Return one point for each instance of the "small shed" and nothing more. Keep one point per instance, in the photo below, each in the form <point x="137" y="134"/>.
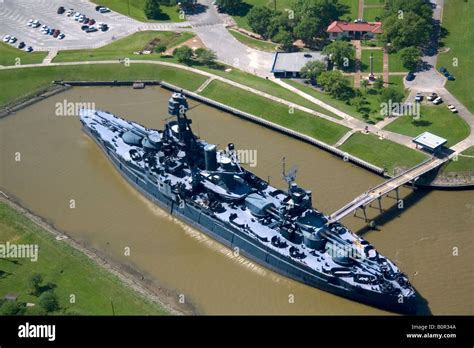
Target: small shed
<point x="289" y="64"/>
<point x="429" y="141"/>
<point x="11" y="297"/>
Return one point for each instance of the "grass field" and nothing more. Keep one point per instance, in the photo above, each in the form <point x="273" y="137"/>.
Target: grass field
<point x="462" y="163"/>
<point x="374" y="2"/>
<point x="371" y="13"/>
<point x="435" y="119"/>
<point x="299" y="121"/>
<point x="125" y="47"/>
<point x="396" y="82"/>
<point x="70" y="270"/>
<point x="383" y="153"/>
<point x="378" y="60"/>
<point x="458" y="18"/>
<point x="23" y="82"/>
<point x="9" y="55"/>
<point x="135" y="9"/>
<point x="395" y="63"/>
<point x="254" y="43"/>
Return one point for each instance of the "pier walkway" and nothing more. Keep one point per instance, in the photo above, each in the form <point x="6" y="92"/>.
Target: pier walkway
<point x="411" y="175"/>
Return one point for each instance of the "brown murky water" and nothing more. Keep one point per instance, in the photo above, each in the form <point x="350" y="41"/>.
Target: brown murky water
<point x="59" y="163"/>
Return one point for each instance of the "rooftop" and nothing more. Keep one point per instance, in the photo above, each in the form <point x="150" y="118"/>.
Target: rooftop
<point x="429" y="140"/>
<point x="294" y="61"/>
<point x="342" y="26"/>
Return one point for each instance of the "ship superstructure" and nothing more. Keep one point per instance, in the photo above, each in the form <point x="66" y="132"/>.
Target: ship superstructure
<point x="280" y="229"/>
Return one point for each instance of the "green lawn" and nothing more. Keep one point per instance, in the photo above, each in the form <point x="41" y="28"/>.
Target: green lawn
<point x="374" y="2"/>
<point x="395" y="63"/>
<point x="396" y="82"/>
<point x="353" y="8"/>
<point x="378" y="60"/>
<point x="383" y="153"/>
<point x="9" y="55"/>
<point x="254" y="43"/>
<point x="23" y="82"/>
<point x="458" y="19"/>
<point x="125" y="47"/>
<point x="135" y="9"/>
<point x="435" y="119"/>
<point x="370" y="13"/>
<point x="370" y="96"/>
<point x="302" y="122"/>
<point x="462" y="163"/>
<point x="70" y="270"/>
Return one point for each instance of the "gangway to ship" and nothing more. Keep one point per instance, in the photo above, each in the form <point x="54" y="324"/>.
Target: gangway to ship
<point x="376" y="193"/>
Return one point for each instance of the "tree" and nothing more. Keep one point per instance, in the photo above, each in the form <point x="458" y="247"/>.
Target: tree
<point x="312" y="70"/>
<point x="342" y="53"/>
<point x="285" y="40"/>
<point x="411" y="57"/>
<point x="390" y="95"/>
<point x="152" y="9"/>
<point x="364" y="83"/>
<point x="229" y="6"/>
<point x="335" y="84"/>
<point x="259" y="20"/>
<point x="183" y="54"/>
<point x="307" y="29"/>
<point x="49" y="301"/>
<point x="378" y="83"/>
<point x="205" y="56"/>
<point x="12" y="308"/>
<point x="35" y="281"/>
<point x="420" y="7"/>
<point x="160" y="48"/>
<point x="410" y="30"/>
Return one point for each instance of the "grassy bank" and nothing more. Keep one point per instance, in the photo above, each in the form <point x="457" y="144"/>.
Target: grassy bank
<point x="254" y="43"/>
<point x="435" y="119"/>
<point x="464" y="162"/>
<point x="69" y="270"/>
<point x="9" y="55"/>
<point x="135" y="9"/>
<point x="302" y="122"/>
<point x="125" y="47"/>
<point x="458" y="17"/>
<point x="383" y="153"/>
<point x="23" y="82"/>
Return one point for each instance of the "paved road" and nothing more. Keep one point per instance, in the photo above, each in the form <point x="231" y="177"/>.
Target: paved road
<point x="211" y="28"/>
<point x="14" y="15"/>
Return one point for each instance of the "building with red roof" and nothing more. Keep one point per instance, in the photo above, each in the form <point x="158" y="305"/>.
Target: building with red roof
<point x="356" y="30"/>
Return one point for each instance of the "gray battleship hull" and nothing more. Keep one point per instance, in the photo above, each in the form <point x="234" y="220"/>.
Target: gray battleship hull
<point x="248" y="247"/>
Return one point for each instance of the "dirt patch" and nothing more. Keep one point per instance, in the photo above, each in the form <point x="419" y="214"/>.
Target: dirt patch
<point x="194" y="43"/>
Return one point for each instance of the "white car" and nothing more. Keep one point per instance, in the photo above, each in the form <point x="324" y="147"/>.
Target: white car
<point x="30" y="23"/>
<point x="36" y="23"/>
<point x="61" y="36"/>
<point x="437" y="101"/>
<point x="104" y="10"/>
<point x="12" y="40"/>
<point x="452" y="108"/>
<point x="6" y="38"/>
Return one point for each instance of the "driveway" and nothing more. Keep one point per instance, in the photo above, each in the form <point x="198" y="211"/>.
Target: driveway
<point x="211" y="28"/>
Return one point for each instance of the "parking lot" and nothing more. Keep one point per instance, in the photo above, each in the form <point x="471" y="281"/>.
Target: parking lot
<point x="15" y="14"/>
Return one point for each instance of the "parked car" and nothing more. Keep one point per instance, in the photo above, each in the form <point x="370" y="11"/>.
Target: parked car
<point x="104" y="10"/>
<point x="6" y="38"/>
<point x="36" y="23"/>
<point x="452" y="108"/>
<point x="432" y="97"/>
<point x="451" y="78"/>
<point x="97" y="8"/>
<point x="84" y="27"/>
<point x="61" y="10"/>
<point x="86" y="20"/>
<point x="410" y="76"/>
<point x="56" y="33"/>
<point x="104" y="27"/>
<point x="442" y="70"/>
<point x="29" y="49"/>
<point x="30" y="23"/>
<point x="437" y="101"/>
<point x="91" y="21"/>
<point x="70" y="12"/>
<point x="61" y="36"/>
<point x="419" y="97"/>
<point x="12" y="40"/>
<point x="91" y="29"/>
<point x="51" y="31"/>
<point x="21" y="45"/>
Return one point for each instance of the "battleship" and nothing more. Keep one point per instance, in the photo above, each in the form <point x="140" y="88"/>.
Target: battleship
<point x="279" y="229"/>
